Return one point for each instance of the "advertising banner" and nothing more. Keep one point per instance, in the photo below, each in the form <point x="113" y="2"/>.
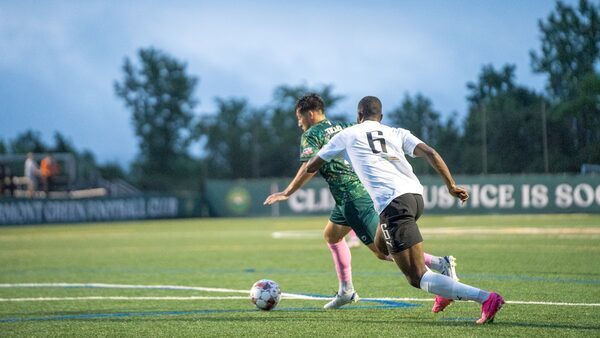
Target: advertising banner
<point x="34" y="211"/>
<point x="510" y="194"/>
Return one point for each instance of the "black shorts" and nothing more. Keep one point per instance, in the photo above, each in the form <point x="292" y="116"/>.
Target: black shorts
<point x="399" y="222"/>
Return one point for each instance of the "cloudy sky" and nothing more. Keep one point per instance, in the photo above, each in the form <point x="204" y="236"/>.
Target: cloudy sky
<point x="59" y="59"/>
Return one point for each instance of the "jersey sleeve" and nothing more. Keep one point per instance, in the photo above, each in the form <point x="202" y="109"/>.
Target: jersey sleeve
<point x="409" y="141"/>
<point x="309" y="145"/>
<point x="333" y="148"/>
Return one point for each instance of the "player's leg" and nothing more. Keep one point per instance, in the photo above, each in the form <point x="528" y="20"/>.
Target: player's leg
<point x="445" y="265"/>
<point x="363" y="219"/>
<point x="342" y="259"/>
<point x="404" y="241"/>
<point x="340" y="253"/>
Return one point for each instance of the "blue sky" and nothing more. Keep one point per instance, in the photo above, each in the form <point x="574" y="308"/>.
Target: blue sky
<point x="59" y="59"/>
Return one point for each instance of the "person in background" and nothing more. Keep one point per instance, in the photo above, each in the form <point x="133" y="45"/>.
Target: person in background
<point x="49" y="169"/>
<point x="31" y="174"/>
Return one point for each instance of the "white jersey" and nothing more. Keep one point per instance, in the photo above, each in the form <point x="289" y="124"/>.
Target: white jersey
<point x="31" y="168"/>
<point x="377" y="154"/>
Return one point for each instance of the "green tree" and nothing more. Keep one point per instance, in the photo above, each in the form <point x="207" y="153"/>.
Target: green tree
<point x="575" y="127"/>
<point x="243" y="142"/>
<point x="508" y="116"/>
<point x="570" y="47"/>
<point x="570" y="56"/>
<point x="62" y="144"/>
<point x="229" y="143"/>
<point x="159" y="93"/>
<point x="283" y="134"/>
<point x="28" y="141"/>
<point x="418" y="115"/>
<point x="112" y="170"/>
<point x="449" y="143"/>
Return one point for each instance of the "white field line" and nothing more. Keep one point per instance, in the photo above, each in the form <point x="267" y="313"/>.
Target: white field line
<point x="511" y="231"/>
<point x="49" y="299"/>
<point x="117" y="286"/>
<point x="176" y="287"/>
<point x="302" y="234"/>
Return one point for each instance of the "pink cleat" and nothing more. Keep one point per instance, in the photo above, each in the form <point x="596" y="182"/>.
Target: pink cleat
<point x="440" y="304"/>
<point x="490" y="307"/>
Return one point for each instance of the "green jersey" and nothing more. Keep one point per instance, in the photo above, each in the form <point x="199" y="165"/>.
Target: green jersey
<point x="343" y="182"/>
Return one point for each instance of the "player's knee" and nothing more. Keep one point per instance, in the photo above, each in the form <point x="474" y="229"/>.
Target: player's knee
<point x="331" y="238"/>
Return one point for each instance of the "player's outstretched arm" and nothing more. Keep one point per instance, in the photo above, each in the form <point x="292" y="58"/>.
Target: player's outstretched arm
<point x="301" y="178"/>
<point x="437" y="162"/>
<point x="314" y="164"/>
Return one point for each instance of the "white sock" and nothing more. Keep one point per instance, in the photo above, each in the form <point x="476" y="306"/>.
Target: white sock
<point x="346" y="288"/>
<point x="449" y="288"/>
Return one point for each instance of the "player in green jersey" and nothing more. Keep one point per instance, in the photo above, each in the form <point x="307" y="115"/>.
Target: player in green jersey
<point x="353" y="206"/>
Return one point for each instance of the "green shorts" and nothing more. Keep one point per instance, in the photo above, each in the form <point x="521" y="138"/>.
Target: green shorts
<point x="358" y="214"/>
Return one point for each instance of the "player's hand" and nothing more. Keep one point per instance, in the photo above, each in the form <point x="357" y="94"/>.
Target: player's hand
<point x="459" y="192"/>
<point x="276" y="197"/>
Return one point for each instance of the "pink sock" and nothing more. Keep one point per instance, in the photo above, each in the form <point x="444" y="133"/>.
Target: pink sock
<point x="427" y="259"/>
<point x="342" y="260"/>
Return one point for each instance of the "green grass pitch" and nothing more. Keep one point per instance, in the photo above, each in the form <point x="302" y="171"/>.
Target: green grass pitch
<point x="550" y="276"/>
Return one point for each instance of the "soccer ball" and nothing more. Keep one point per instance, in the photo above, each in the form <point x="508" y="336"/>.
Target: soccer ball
<point x="265" y="294"/>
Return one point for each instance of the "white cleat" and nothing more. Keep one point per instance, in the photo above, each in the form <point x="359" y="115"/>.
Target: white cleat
<point x="341" y="300"/>
<point x="353" y="242"/>
<point x="449" y="268"/>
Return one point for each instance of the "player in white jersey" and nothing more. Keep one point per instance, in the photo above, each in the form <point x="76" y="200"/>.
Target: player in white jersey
<point x="377" y="154"/>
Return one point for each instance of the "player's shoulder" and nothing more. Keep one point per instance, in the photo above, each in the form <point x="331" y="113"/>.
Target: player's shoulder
<point x="351" y="132"/>
<point x="396" y="130"/>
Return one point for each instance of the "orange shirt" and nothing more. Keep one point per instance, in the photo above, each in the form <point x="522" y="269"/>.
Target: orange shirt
<point x="48" y="167"/>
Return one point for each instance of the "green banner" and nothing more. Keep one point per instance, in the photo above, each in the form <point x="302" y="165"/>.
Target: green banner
<point x="34" y="211"/>
<point x="241" y="198"/>
<point x="516" y="194"/>
<point x="246" y="197"/>
<point x="488" y="194"/>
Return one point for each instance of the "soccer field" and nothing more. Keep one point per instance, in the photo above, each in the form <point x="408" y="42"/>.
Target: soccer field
<point x="191" y="278"/>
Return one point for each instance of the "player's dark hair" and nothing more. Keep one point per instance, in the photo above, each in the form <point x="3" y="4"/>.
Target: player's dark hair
<point x="310" y="101"/>
<point x="370" y="108"/>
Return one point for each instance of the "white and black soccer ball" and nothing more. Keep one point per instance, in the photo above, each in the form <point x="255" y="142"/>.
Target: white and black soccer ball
<point x="265" y="294"/>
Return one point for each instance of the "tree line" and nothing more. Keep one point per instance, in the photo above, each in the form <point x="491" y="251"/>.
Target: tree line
<point x="508" y="127"/>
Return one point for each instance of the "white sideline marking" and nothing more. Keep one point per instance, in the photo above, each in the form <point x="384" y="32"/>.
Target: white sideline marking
<point x="128" y="286"/>
<point x="47" y="299"/>
<point x="512" y="231"/>
<point x="196" y="288"/>
<point x="116" y="286"/>
<point x="448" y="231"/>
